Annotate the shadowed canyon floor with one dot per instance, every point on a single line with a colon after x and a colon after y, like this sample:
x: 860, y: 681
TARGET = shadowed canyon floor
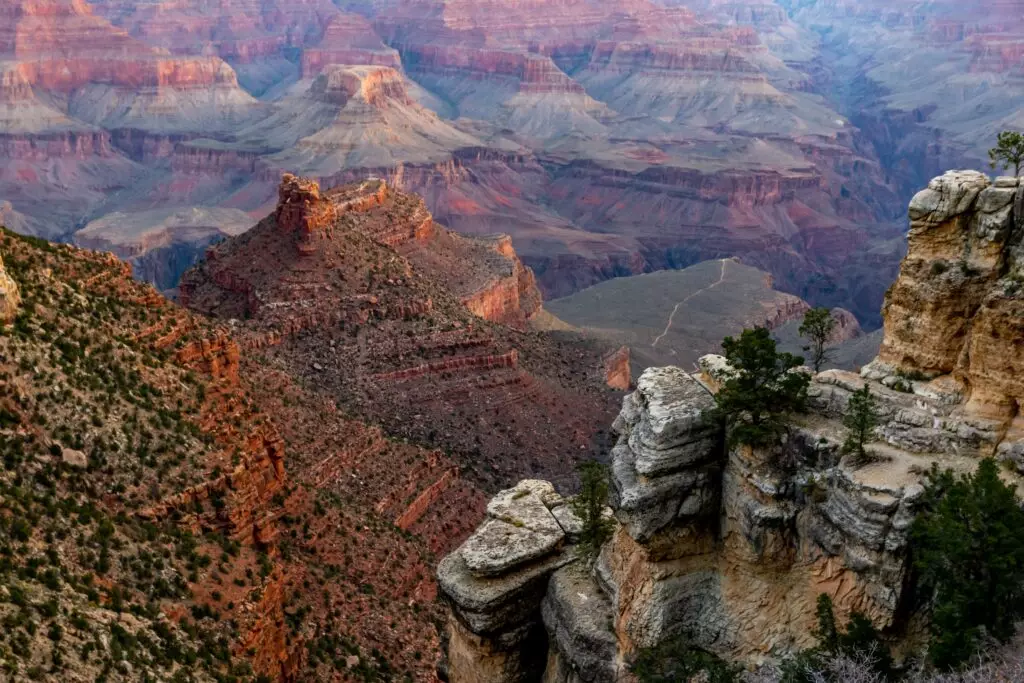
x: 675, y: 317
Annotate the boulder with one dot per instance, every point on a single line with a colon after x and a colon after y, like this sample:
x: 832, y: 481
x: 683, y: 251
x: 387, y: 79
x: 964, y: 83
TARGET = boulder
x: 74, y: 458
x: 10, y: 297
x: 519, y: 529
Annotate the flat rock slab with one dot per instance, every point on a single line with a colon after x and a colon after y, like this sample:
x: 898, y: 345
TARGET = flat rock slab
x: 519, y: 529
x: 494, y: 604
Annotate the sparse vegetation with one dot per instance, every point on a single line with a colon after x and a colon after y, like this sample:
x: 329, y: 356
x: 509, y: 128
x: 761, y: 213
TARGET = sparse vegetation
x: 677, y: 660
x: 860, y: 420
x: 858, y: 641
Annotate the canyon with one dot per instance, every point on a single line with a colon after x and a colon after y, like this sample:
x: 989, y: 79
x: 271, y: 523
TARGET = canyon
x: 729, y: 545
x: 358, y: 292
x: 263, y: 480
x: 605, y: 139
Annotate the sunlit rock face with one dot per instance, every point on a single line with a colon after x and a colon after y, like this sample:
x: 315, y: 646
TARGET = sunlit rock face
x: 732, y: 545
x: 953, y: 320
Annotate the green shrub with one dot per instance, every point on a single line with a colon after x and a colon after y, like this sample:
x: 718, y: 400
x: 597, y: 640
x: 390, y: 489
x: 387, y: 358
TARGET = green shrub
x: 817, y: 327
x: 677, y: 660
x: 859, y: 640
x: 969, y: 555
x: 764, y: 389
x: 589, y: 507
x: 860, y: 420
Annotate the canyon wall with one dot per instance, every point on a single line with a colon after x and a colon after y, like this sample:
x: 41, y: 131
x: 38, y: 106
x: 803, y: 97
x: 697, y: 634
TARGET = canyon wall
x: 606, y: 138
x: 954, y: 319
x: 730, y: 546
x: 513, y: 299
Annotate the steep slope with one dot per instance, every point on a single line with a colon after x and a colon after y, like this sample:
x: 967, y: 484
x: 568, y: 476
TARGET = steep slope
x: 357, y: 291
x: 168, y: 500
x: 954, y: 316
x: 73, y: 88
x: 123, y: 479
x: 351, y: 119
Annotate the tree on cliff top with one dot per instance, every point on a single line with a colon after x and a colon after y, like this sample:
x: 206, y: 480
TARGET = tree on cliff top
x: 817, y: 327
x: 1008, y: 152
x: 763, y: 390
x: 969, y: 551
x: 589, y: 506
x: 861, y: 419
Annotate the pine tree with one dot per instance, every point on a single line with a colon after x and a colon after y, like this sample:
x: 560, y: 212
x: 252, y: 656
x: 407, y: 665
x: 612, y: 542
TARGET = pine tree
x: 764, y: 389
x: 827, y: 632
x: 589, y: 507
x: 817, y: 327
x: 861, y: 419
x: 1008, y: 152
x: 969, y: 552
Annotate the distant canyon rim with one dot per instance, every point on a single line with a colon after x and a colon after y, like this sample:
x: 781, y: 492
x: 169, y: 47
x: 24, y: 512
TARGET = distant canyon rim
x: 606, y: 138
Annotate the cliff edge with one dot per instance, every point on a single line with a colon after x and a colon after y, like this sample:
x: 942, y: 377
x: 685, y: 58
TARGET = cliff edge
x: 732, y: 546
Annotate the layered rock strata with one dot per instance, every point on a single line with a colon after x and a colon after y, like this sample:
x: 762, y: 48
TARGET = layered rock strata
x: 954, y: 319
x: 495, y: 582
x: 731, y: 546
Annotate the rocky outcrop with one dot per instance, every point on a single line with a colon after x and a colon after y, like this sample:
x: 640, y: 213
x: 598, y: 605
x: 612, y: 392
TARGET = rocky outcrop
x: 617, y: 371
x: 10, y: 297
x: 953, y: 319
x: 301, y: 208
x: 730, y: 546
x: 495, y: 582
x: 513, y: 299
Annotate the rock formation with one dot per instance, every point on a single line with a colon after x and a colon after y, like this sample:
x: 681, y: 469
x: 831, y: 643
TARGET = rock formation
x: 730, y: 546
x: 201, y: 462
x: 606, y: 137
x: 410, y: 325
x: 954, y: 320
x: 9, y: 296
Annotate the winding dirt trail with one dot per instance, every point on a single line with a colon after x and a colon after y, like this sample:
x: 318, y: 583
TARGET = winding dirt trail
x: 675, y: 310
